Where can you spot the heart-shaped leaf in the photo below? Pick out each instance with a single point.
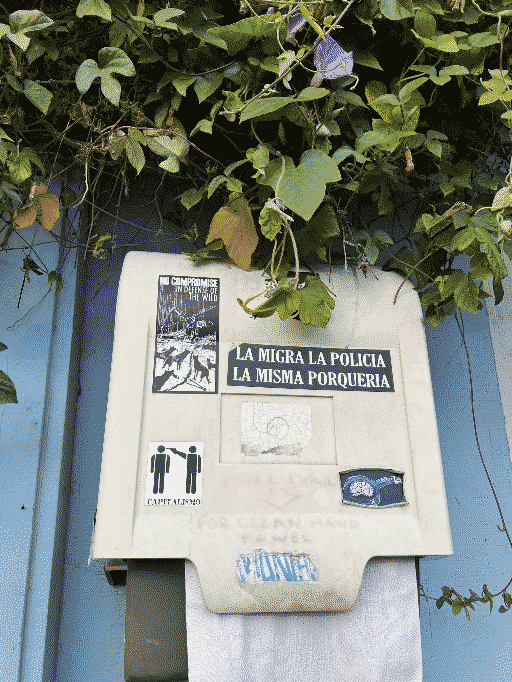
(110, 60)
(302, 188)
(234, 224)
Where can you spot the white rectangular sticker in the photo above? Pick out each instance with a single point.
(174, 474)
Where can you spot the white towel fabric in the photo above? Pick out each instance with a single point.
(378, 640)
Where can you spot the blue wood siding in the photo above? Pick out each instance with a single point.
(66, 624)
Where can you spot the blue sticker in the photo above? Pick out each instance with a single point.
(274, 567)
(372, 488)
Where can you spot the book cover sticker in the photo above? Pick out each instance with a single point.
(187, 335)
(173, 474)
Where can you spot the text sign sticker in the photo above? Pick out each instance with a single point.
(312, 369)
(173, 474)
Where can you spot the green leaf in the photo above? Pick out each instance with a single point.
(177, 146)
(181, 83)
(341, 154)
(480, 267)
(229, 169)
(56, 277)
(162, 17)
(366, 59)
(7, 389)
(20, 169)
(2, 346)
(482, 39)
(502, 198)
(494, 257)
(264, 106)
(466, 294)
(488, 97)
(38, 95)
(98, 8)
(170, 164)
(191, 197)
(394, 10)
(302, 188)
(309, 94)
(237, 36)
(448, 283)
(13, 82)
(204, 86)
(315, 303)
(117, 144)
(25, 20)
(269, 104)
(435, 147)
(203, 126)
(383, 237)
(343, 95)
(86, 73)
(258, 156)
(135, 154)
(216, 182)
(409, 88)
(286, 301)
(270, 222)
(111, 88)
(21, 23)
(424, 24)
(110, 60)
(319, 231)
(115, 60)
(454, 70)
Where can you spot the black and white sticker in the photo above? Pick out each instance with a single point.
(174, 474)
(187, 335)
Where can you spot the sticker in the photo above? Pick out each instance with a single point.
(313, 369)
(274, 567)
(274, 428)
(373, 488)
(187, 335)
(173, 474)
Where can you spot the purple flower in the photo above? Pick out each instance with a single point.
(331, 61)
(294, 24)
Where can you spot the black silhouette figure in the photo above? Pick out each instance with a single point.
(200, 370)
(159, 381)
(160, 465)
(193, 467)
(179, 358)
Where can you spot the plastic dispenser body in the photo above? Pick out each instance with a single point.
(279, 457)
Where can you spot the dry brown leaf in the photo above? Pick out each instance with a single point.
(50, 211)
(24, 217)
(235, 226)
(40, 200)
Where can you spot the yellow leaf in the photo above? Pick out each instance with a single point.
(235, 226)
(24, 217)
(50, 210)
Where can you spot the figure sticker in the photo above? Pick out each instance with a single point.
(187, 335)
(173, 475)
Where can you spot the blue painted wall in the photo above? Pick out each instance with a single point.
(455, 650)
(86, 625)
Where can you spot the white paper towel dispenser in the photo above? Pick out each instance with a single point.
(277, 456)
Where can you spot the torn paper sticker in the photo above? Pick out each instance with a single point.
(274, 428)
(273, 567)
